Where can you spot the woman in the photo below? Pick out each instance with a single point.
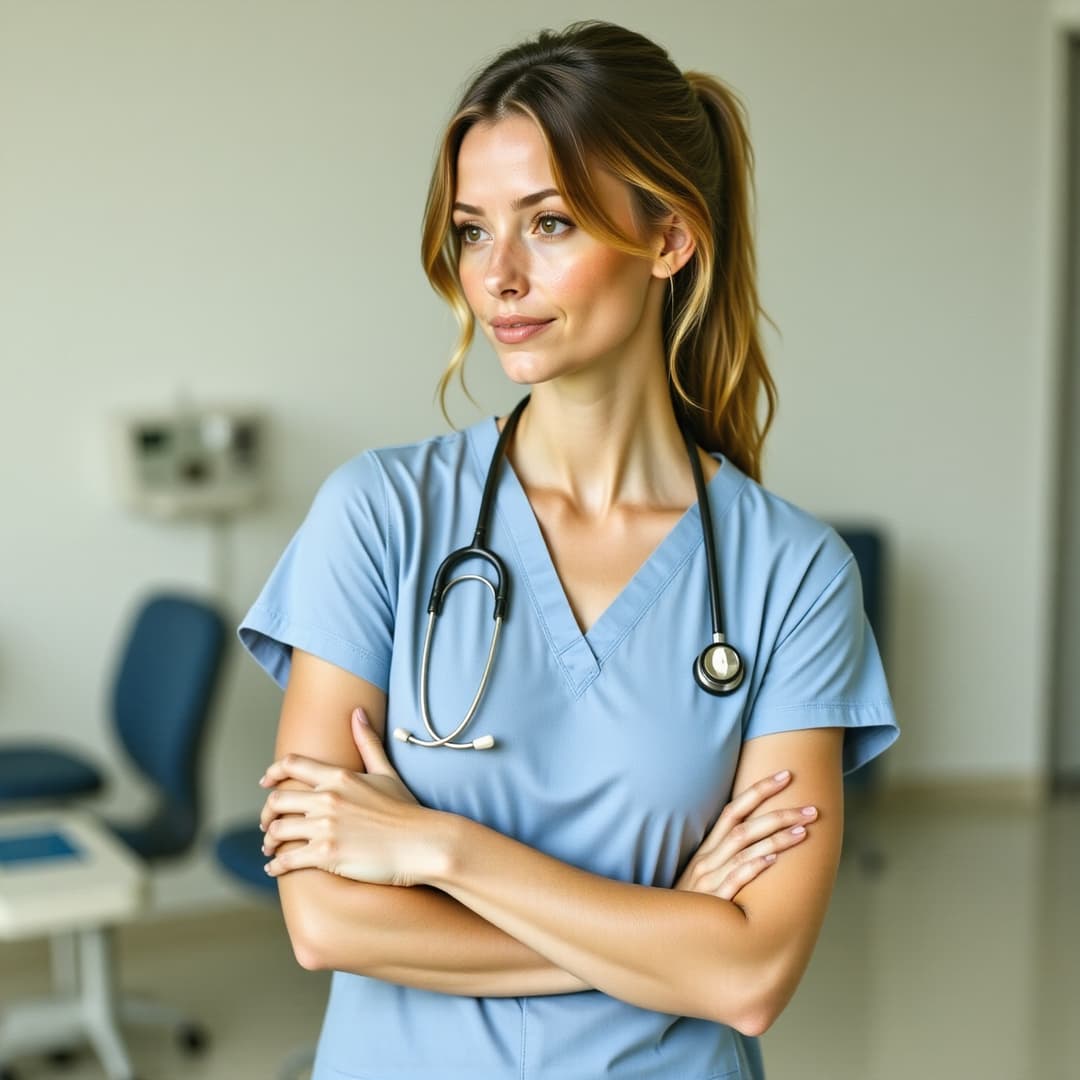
(560, 896)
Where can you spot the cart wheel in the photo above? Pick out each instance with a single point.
(191, 1038)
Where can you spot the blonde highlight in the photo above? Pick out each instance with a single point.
(603, 95)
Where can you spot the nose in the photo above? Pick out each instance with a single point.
(507, 271)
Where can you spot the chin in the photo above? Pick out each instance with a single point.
(532, 369)
(526, 370)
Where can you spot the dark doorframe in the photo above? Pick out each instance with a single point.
(1064, 759)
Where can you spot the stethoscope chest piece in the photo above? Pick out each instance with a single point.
(719, 668)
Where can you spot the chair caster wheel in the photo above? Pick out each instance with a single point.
(191, 1038)
(62, 1059)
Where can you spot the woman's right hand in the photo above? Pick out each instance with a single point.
(740, 847)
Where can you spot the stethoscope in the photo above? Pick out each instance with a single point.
(718, 670)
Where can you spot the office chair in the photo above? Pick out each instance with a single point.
(239, 851)
(160, 702)
(860, 787)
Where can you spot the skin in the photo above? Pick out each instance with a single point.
(419, 936)
(598, 450)
(601, 458)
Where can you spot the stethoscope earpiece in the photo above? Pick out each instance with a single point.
(719, 669)
(485, 742)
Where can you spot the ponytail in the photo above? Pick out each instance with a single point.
(717, 364)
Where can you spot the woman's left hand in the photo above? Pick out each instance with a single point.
(366, 826)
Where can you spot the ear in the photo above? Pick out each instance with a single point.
(677, 250)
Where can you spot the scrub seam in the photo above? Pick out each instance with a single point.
(386, 521)
(717, 512)
(817, 599)
(537, 606)
(675, 571)
(524, 1032)
(830, 705)
(527, 579)
(284, 619)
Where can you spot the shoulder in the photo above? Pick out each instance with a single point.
(426, 463)
(784, 560)
(787, 538)
(388, 475)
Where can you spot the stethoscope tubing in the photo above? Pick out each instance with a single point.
(448, 740)
(717, 670)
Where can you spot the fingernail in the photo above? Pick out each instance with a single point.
(358, 715)
(770, 858)
(782, 775)
(798, 831)
(809, 811)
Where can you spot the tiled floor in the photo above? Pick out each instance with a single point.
(960, 959)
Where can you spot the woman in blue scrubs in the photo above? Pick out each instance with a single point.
(583, 898)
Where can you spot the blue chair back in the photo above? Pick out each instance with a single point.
(161, 699)
(239, 850)
(868, 546)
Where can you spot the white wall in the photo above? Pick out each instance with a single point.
(225, 197)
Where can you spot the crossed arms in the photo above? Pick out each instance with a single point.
(494, 917)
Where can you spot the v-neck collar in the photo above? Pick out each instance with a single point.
(581, 655)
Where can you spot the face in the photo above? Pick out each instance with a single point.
(553, 300)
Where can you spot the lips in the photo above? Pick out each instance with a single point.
(512, 329)
(516, 320)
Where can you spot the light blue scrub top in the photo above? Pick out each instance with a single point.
(607, 753)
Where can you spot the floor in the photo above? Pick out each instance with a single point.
(958, 958)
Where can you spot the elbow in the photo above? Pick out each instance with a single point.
(760, 999)
(750, 1015)
(307, 955)
(306, 948)
(756, 1022)
(755, 1017)
(303, 925)
(323, 927)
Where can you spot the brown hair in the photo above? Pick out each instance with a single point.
(599, 92)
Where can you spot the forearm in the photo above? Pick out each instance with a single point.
(417, 937)
(683, 953)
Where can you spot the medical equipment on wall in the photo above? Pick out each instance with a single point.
(191, 462)
(718, 669)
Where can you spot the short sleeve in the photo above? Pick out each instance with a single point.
(329, 593)
(825, 671)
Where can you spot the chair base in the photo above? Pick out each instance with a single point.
(41, 1025)
(85, 1008)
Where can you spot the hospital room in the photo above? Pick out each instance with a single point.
(528, 523)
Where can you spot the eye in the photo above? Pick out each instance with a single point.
(552, 225)
(470, 233)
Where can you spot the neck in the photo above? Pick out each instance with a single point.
(600, 447)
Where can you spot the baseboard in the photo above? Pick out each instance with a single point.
(992, 792)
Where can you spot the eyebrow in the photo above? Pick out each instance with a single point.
(517, 204)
